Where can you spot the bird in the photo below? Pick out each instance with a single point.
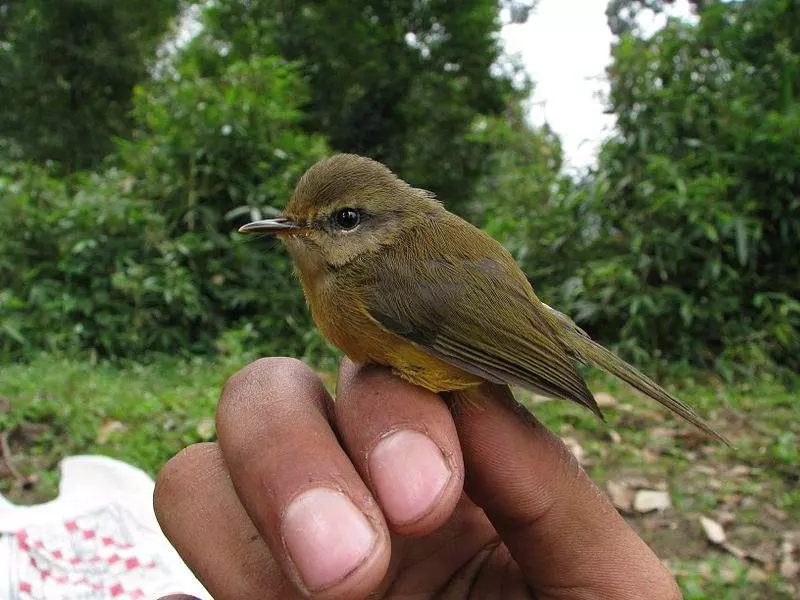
(393, 278)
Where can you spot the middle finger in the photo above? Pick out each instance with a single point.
(403, 441)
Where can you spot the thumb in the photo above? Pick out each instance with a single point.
(563, 532)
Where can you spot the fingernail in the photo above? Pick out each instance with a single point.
(409, 474)
(327, 536)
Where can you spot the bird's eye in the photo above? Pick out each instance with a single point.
(347, 218)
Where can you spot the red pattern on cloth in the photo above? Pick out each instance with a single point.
(93, 553)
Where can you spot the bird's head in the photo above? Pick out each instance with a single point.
(344, 207)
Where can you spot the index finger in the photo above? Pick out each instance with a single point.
(297, 484)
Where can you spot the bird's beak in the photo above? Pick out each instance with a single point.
(280, 226)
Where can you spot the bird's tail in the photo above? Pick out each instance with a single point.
(590, 352)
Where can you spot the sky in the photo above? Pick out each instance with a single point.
(565, 46)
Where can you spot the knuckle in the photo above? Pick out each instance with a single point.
(177, 475)
(262, 373)
(265, 388)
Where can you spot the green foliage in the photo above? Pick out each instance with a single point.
(215, 152)
(523, 201)
(400, 81)
(694, 204)
(67, 71)
(88, 269)
(143, 258)
(680, 245)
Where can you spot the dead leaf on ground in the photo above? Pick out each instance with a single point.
(693, 438)
(641, 416)
(650, 500)
(537, 399)
(739, 553)
(715, 533)
(662, 432)
(5, 405)
(621, 495)
(725, 517)
(776, 513)
(109, 428)
(637, 482)
(575, 448)
(604, 399)
(790, 555)
(648, 455)
(205, 429)
(705, 470)
(739, 471)
(748, 502)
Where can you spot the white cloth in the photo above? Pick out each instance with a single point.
(99, 539)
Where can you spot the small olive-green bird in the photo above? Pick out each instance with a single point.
(393, 278)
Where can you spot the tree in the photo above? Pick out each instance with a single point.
(697, 194)
(67, 72)
(622, 14)
(398, 80)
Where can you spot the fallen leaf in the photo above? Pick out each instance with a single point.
(205, 429)
(621, 495)
(725, 517)
(637, 482)
(713, 530)
(727, 574)
(5, 405)
(537, 399)
(756, 575)
(705, 470)
(739, 471)
(790, 567)
(664, 432)
(615, 437)
(649, 500)
(736, 551)
(605, 399)
(776, 513)
(107, 429)
(748, 502)
(649, 456)
(575, 448)
(692, 438)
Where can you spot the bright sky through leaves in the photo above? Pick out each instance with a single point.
(565, 46)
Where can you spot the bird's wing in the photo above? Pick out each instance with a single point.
(479, 315)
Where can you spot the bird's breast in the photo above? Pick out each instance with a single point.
(341, 314)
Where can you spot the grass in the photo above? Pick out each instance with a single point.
(143, 414)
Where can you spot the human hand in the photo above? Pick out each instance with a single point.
(366, 497)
